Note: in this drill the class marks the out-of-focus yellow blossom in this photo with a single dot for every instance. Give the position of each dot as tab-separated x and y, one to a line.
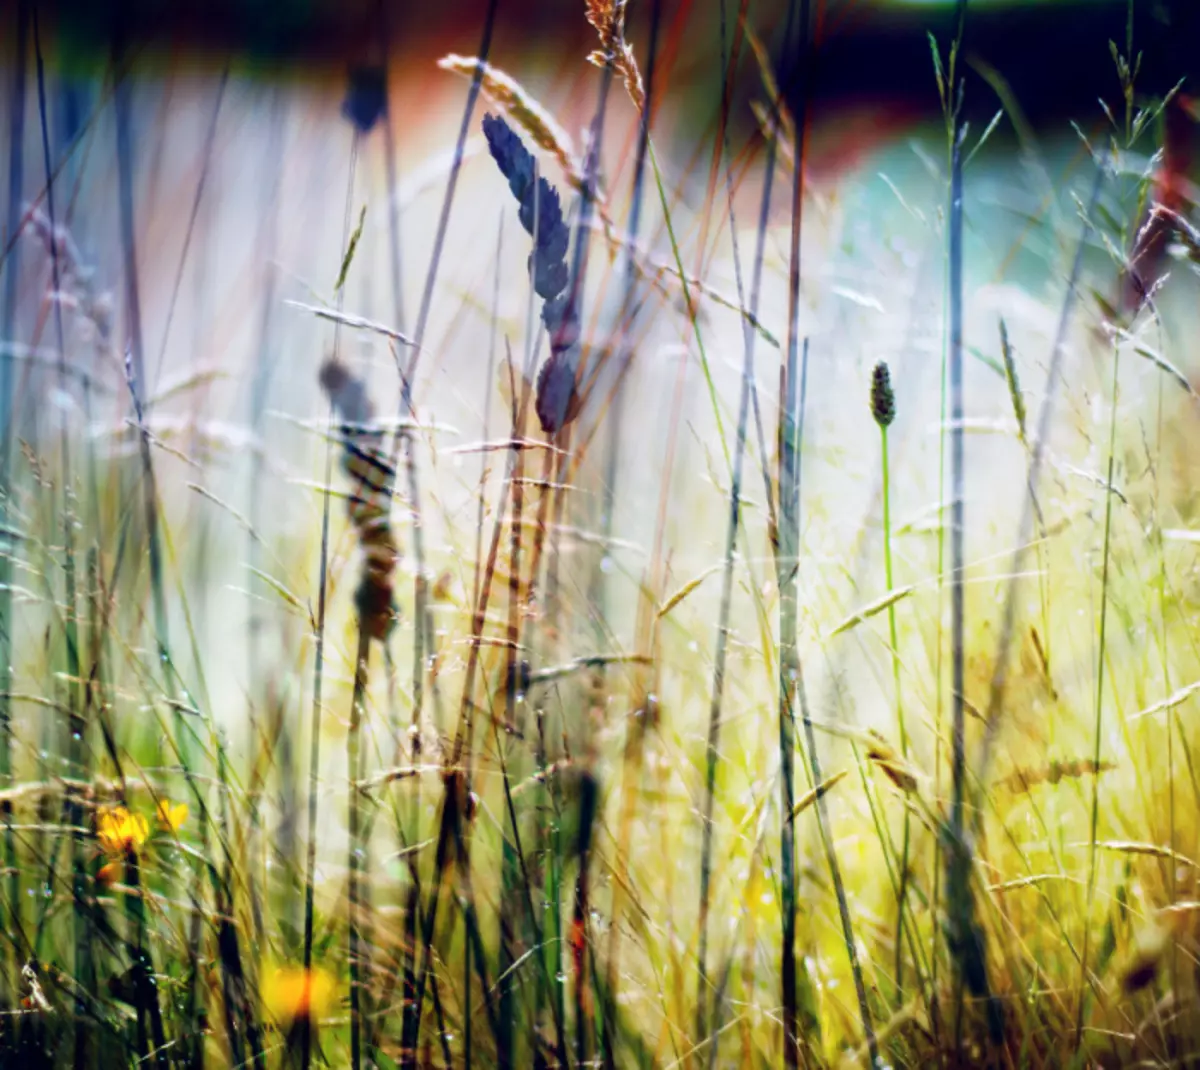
292	993
121	831
171	815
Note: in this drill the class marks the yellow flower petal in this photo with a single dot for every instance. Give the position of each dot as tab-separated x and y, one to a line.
290	993
120	831
172	816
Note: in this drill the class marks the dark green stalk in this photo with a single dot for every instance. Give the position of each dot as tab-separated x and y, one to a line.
397	977
16	175
712	753
73	809
787	558
787	574
520	859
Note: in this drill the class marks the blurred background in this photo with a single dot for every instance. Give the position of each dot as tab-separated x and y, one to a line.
243	177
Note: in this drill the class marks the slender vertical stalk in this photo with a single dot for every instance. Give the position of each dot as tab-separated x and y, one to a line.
714	724
1097	737
787	564
712	752
947	88
958	876
389	159
605	1031
16	177
355	948
73	810
411	1024
889	580
319	658
822	806
787	558
510	875
266	247
135	370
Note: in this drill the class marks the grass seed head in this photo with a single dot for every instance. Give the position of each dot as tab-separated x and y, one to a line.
608	19
883	399
366	97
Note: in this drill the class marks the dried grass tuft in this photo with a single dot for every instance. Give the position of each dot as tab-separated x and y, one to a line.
608	18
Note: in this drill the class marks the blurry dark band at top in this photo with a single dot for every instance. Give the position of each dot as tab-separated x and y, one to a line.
1045	61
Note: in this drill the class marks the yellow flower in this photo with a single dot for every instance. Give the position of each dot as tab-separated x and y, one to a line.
120	831
171	816
291	993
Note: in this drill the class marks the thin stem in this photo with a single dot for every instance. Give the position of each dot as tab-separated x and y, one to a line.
889	580
1097	737
16	175
314	762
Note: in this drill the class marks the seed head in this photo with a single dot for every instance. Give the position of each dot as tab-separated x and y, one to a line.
548	260
366	97
557	402
883	400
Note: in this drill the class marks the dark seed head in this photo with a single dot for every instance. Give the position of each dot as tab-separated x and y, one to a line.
348	393
366	97
557	402
883	400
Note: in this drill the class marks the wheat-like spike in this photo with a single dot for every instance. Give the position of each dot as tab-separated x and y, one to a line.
518	104
1071	769
372	475
507	94
608	18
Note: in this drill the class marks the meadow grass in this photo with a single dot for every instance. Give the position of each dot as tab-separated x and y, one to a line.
593	631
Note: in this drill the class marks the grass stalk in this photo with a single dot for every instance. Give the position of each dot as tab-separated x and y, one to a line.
961	922
510	875
411	1025
16	173
135	366
787	558
306	1037
890	583
712	751
356	950
787	565
72	809
1097	738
